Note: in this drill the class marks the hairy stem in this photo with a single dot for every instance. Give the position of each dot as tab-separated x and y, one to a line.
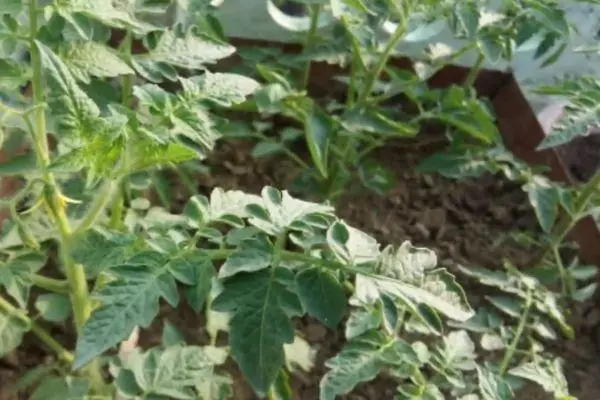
98	206
315	11
53	199
50	284
515	342
568	220
40	332
374	74
474	71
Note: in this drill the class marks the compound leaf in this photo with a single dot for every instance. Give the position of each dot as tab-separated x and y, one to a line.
279	212
260	324
171	372
74	111
130	300
361	360
87	59
224	206
546	373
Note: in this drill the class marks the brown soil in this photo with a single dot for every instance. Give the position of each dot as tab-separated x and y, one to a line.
466	222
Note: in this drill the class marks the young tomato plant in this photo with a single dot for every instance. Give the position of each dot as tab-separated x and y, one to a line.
92	133
341	137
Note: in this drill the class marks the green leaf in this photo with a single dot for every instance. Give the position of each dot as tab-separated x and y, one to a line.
281	389
491	386
253	255
219	387
171	372
190	52
11	7
116	14
351	245
15	275
544	198
376	177
468	16
19	165
128	301
457	352
98	250
508	305
281	212
585	293
266	148
361	321
260	324
361	360
322	295
224	89
454	165
73	110
424	31
171	335
318	131
87	59
53	307
61	388
227	207
581	112
546	373
12	74
12	330
410	273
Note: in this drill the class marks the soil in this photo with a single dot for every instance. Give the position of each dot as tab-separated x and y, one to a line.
466	222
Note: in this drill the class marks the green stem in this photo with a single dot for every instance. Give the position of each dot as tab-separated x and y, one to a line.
54	200
98	206
381	63
515	342
50	284
568	220
40	332
474	71
315	11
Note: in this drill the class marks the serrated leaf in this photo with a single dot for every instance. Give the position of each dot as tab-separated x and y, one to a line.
322	295
114	14
458	351
128	301
253	255
15	275
171	372
98	250
454	166
12	330
283	212
260	325
87	59
409	273
357	247
361	321
582	111
361	360
544	198
12	74
224	206
546	373
491	386
73	110
224	89
53	307
190	52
